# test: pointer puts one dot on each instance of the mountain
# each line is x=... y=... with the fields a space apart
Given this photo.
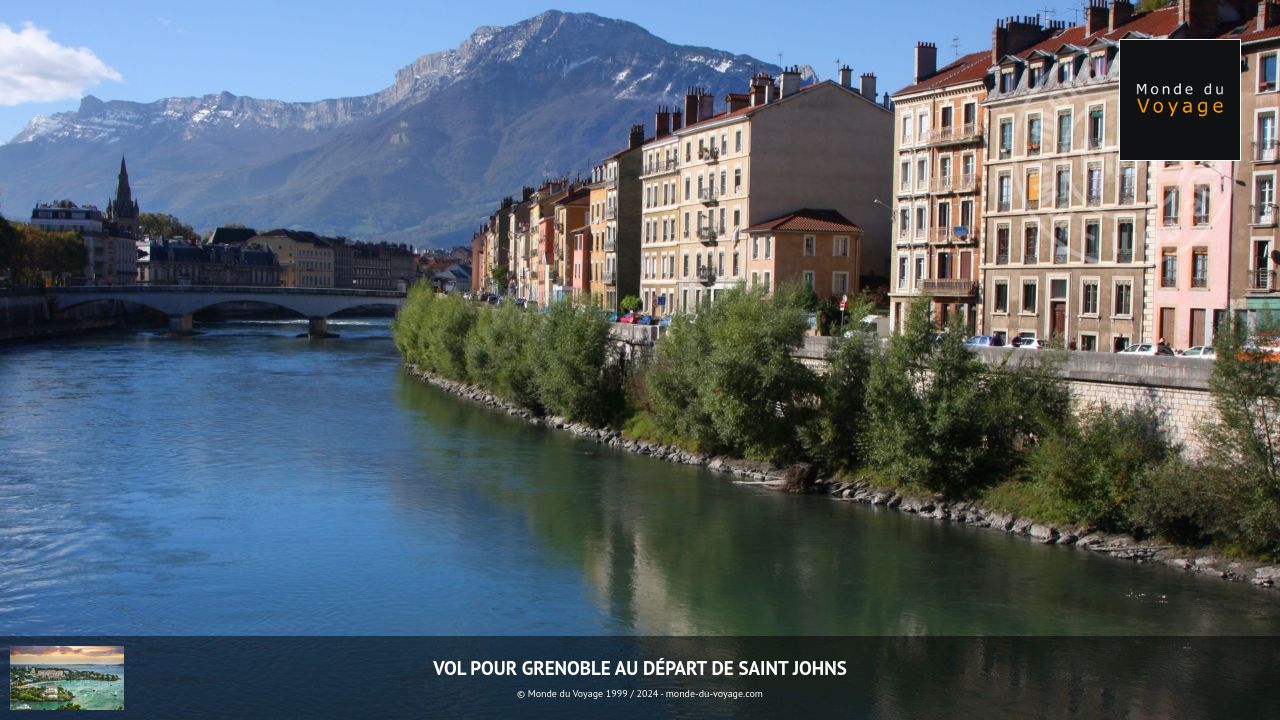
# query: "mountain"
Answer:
x=421 y=161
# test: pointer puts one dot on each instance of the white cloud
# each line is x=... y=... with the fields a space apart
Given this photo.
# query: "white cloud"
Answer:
x=34 y=68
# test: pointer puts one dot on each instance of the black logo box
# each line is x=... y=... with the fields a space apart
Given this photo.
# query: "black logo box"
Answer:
x=1190 y=65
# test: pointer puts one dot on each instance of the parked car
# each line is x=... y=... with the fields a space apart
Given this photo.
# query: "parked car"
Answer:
x=1147 y=349
x=628 y=319
x=645 y=320
x=984 y=341
x=614 y=317
x=1028 y=343
x=494 y=299
x=664 y=321
x=1205 y=352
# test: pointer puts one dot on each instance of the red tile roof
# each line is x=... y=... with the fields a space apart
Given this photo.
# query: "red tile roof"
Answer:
x=966 y=69
x=807 y=220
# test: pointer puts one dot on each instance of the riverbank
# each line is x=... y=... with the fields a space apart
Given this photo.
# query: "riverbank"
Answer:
x=1189 y=560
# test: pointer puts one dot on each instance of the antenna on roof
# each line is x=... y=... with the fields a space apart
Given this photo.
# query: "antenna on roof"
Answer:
x=955 y=45
x=780 y=59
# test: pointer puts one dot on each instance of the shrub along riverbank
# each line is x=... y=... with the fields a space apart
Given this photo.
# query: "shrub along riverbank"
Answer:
x=922 y=416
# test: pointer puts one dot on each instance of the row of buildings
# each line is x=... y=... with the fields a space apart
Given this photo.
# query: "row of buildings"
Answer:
x=1016 y=213
x=777 y=183
x=120 y=254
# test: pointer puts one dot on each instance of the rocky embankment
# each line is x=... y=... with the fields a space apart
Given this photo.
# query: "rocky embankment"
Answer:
x=802 y=478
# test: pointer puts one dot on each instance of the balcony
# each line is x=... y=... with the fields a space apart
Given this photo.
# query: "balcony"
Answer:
x=1124 y=255
x=948 y=235
x=1064 y=146
x=1033 y=149
x=1093 y=200
x=710 y=154
x=1126 y=196
x=951 y=288
x=1002 y=258
x=1261 y=280
x=1060 y=256
x=1095 y=143
x=706 y=274
x=709 y=233
x=609 y=277
x=1201 y=219
x=1199 y=281
x=708 y=196
x=1030 y=256
x=1032 y=203
x=953 y=135
x=610 y=244
x=1265 y=152
x=1061 y=201
x=1005 y=153
x=1263 y=214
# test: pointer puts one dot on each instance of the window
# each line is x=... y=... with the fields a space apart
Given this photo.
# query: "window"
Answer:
x=686 y=187
x=922 y=221
x=1202 y=205
x=737 y=180
x=1128 y=183
x=905 y=182
x=1092 y=240
x=970 y=116
x=735 y=263
x=1004 y=186
x=810 y=245
x=686 y=264
x=966 y=215
x=737 y=141
x=1200 y=268
x=919 y=269
x=1170 y=206
x=1267 y=72
x=1002 y=296
x=768 y=247
x=1064 y=71
x=922 y=173
x=944 y=217
x=766 y=281
x=1168 y=268
x=1089 y=297
x=1093 y=185
x=1265 y=200
x=839 y=283
x=944 y=170
x=1006 y=81
x=1124 y=241
x=1031 y=244
x=906 y=129
x=1032 y=200
x=1061 y=243
x=737 y=217
x=1029 y=290
x=1064 y=132
x=808 y=279
x=1096 y=132
x=1033 y=75
x=1002 y=245
x=904 y=222
x=840 y=246
x=944 y=266
x=1124 y=298
x=1062 y=193
x=755 y=248
x=1006 y=138
x=1099 y=63
x=902 y=272
x=1033 y=135
x=1088 y=342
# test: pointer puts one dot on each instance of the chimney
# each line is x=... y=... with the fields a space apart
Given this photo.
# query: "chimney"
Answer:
x=926 y=60
x=526 y=193
x=691 y=106
x=706 y=104
x=846 y=76
x=662 y=122
x=677 y=120
x=1015 y=34
x=735 y=101
x=1200 y=17
x=636 y=139
x=759 y=82
x=790 y=81
x=868 y=88
x=1095 y=16
x=1121 y=11
x=1268 y=14
x=770 y=92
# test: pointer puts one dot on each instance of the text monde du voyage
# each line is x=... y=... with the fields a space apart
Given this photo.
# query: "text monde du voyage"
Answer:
x=1180 y=99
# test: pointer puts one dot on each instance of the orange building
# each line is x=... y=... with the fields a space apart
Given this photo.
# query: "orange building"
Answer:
x=820 y=248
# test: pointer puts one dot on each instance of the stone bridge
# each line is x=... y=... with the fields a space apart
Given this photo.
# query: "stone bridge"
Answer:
x=180 y=302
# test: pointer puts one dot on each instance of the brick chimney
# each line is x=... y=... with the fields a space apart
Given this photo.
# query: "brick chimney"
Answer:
x=926 y=60
x=692 y=105
x=1200 y=17
x=1121 y=11
x=789 y=81
x=636 y=138
x=1015 y=34
x=868 y=87
x=759 y=82
x=1268 y=15
x=677 y=120
x=770 y=92
x=662 y=122
x=706 y=104
x=1096 y=16
x=846 y=76
x=736 y=101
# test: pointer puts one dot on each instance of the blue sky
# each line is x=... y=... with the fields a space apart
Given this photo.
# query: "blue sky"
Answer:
x=51 y=54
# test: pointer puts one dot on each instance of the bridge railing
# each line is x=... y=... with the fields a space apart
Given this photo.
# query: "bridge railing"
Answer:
x=236 y=289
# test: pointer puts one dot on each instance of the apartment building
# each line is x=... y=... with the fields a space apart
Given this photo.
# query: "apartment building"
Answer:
x=622 y=219
x=305 y=259
x=595 y=235
x=819 y=248
x=518 y=244
x=937 y=179
x=570 y=210
x=1255 y=252
x=774 y=150
x=659 y=180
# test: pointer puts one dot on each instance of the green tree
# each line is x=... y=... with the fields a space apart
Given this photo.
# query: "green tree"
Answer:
x=446 y=322
x=499 y=351
x=569 y=364
x=630 y=303
x=163 y=225
x=501 y=276
x=837 y=436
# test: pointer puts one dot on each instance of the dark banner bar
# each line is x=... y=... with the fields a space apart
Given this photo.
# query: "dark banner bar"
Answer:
x=646 y=677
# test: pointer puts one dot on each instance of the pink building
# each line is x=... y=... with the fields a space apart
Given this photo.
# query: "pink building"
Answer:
x=1191 y=250
x=581 y=267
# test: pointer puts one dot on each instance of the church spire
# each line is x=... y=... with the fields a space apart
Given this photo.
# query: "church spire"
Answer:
x=123 y=210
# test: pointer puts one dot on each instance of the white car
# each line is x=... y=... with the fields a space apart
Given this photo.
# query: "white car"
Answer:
x=1205 y=352
x=1029 y=343
x=1147 y=349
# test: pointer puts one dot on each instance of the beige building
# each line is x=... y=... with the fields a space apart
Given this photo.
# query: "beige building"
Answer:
x=937 y=179
x=1255 y=287
x=593 y=274
x=305 y=259
x=776 y=149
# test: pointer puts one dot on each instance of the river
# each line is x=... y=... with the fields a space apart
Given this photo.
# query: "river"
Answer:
x=249 y=482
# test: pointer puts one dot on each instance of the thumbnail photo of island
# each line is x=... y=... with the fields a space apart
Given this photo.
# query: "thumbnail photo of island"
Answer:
x=66 y=677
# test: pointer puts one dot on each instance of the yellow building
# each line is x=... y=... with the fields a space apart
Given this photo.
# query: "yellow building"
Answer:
x=305 y=259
